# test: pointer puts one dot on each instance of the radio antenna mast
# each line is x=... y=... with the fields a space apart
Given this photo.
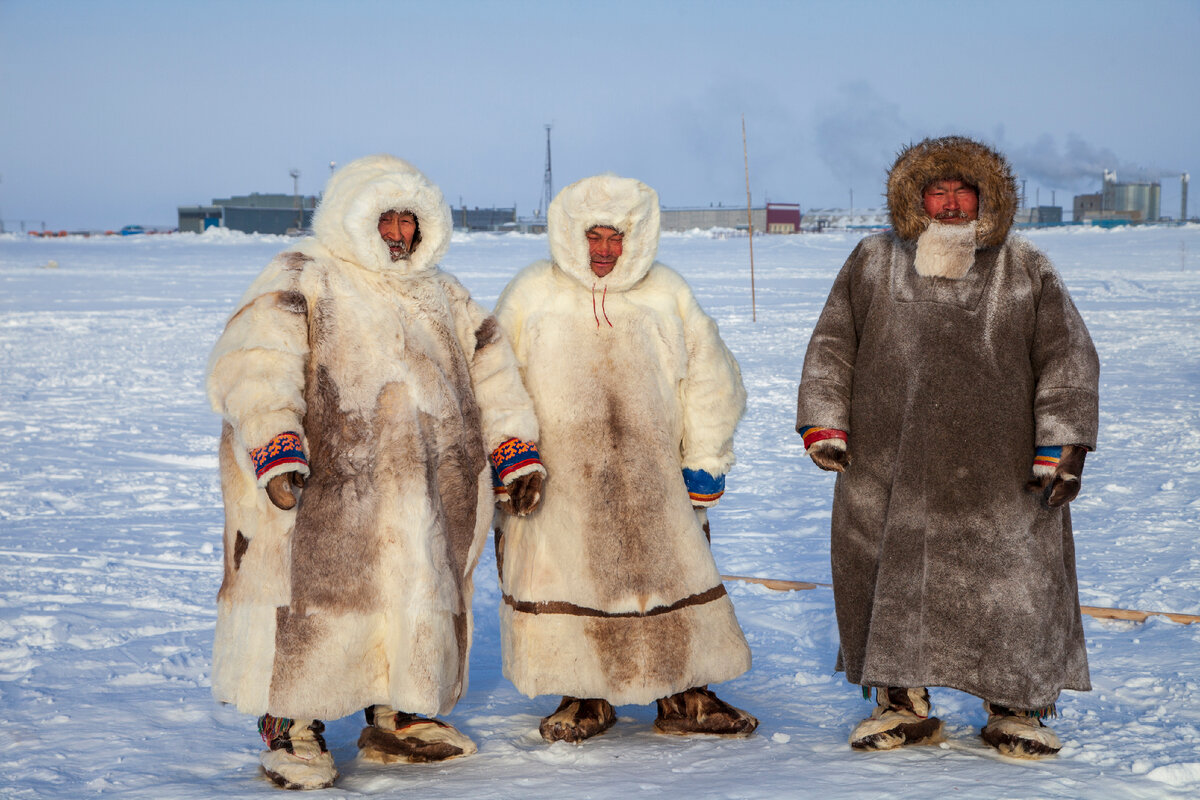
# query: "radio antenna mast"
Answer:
x=548 y=180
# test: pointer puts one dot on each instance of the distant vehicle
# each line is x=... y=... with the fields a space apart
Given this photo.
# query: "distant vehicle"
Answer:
x=131 y=230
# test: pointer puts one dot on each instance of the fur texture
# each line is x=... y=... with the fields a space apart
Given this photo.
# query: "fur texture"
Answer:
x=900 y=717
x=952 y=158
x=1018 y=734
x=946 y=251
x=610 y=590
x=399 y=388
x=946 y=571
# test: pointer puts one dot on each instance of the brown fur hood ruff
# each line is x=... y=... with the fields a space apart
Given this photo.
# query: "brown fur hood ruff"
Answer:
x=952 y=158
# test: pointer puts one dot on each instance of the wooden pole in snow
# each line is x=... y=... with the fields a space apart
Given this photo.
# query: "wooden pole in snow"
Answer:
x=780 y=585
x=749 y=223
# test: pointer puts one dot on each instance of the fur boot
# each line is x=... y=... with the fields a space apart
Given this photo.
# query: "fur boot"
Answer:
x=901 y=717
x=698 y=710
x=297 y=757
x=1018 y=733
x=577 y=719
x=393 y=736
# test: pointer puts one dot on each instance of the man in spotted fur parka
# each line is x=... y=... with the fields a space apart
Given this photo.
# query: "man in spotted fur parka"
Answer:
x=362 y=391
x=952 y=384
x=610 y=592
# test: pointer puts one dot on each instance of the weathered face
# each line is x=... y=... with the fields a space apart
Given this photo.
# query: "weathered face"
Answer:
x=604 y=248
x=397 y=229
x=952 y=202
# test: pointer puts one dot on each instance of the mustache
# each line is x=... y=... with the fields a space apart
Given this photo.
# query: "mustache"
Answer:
x=397 y=245
x=960 y=214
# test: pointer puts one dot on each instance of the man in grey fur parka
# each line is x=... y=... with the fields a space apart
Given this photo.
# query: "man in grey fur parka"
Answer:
x=952 y=384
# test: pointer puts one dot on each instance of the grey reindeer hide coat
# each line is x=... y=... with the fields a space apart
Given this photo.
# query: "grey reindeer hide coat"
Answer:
x=946 y=571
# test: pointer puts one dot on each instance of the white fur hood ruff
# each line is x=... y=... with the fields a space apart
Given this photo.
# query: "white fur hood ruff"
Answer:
x=627 y=205
x=347 y=220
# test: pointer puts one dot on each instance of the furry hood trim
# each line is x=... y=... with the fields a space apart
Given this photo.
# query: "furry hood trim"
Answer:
x=347 y=220
x=627 y=205
x=952 y=158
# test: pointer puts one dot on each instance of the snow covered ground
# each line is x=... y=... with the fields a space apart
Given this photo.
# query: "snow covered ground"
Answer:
x=110 y=527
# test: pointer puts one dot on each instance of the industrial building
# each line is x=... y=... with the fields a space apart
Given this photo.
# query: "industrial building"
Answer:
x=1039 y=215
x=1126 y=202
x=484 y=219
x=770 y=218
x=819 y=219
x=252 y=213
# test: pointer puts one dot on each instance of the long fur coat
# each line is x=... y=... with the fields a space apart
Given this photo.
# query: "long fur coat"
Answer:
x=399 y=386
x=609 y=589
x=946 y=571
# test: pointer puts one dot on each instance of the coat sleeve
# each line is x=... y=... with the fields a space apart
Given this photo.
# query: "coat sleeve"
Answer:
x=712 y=394
x=256 y=370
x=823 y=399
x=506 y=412
x=1066 y=369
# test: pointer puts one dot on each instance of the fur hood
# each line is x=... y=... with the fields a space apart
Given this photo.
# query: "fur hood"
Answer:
x=627 y=205
x=955 y=158
x=346 y=222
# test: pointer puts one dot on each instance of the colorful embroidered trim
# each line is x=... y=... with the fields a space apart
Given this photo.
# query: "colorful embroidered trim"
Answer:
x=272 y=728
x=703 y=487
x=286 y=448
x=813 y=434
x=1047 y=457
x=512 y=455
x=498 y=486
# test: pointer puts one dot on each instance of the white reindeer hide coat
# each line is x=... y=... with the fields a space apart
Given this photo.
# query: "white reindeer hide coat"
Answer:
x=399 y=386
x=609 y=589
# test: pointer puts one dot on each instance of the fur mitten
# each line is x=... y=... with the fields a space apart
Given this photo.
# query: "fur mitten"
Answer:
x=826 y=447
x=284 y=490
x=1060 y=483
x=525 y=493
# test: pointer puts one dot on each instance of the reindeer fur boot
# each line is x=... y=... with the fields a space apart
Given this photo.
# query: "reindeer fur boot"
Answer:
x=1018 y=733
x=698 y=710
x=901 y=717
x=577 y=719
x=393 y=736
x=297 y=757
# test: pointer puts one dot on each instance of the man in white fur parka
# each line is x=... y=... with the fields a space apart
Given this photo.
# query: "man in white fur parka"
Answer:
x=952 y=385
x=362 y=391
x=610 y=594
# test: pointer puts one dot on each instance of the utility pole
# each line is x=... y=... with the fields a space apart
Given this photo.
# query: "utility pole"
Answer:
x=548 y=179
x=749 y=223
x=295 y=173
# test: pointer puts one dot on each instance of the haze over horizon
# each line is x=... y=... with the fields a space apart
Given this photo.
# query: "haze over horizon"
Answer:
x=119 y=112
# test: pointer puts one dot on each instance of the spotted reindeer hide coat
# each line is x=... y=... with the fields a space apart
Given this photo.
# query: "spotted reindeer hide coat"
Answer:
x=609 y=589
x=946 y=571
x=399 y=386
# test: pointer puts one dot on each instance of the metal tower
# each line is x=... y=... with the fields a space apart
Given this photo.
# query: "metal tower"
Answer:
x=548 y=180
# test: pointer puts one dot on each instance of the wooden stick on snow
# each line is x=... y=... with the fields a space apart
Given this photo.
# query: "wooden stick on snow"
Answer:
x=781 y=585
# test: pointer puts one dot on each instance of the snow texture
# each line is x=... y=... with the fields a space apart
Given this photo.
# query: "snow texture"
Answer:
x=110 y=524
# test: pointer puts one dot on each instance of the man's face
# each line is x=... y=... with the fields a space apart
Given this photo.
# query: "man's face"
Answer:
x=604 y=248
x=951 y=202
x=397 y=230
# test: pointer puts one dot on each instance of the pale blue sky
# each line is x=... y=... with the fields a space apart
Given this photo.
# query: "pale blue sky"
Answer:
x=117 y=112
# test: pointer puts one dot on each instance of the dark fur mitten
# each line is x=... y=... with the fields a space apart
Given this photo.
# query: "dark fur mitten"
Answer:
x=1061 y=486
x=525 y=493
x=830 y=455
x=284 y=490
